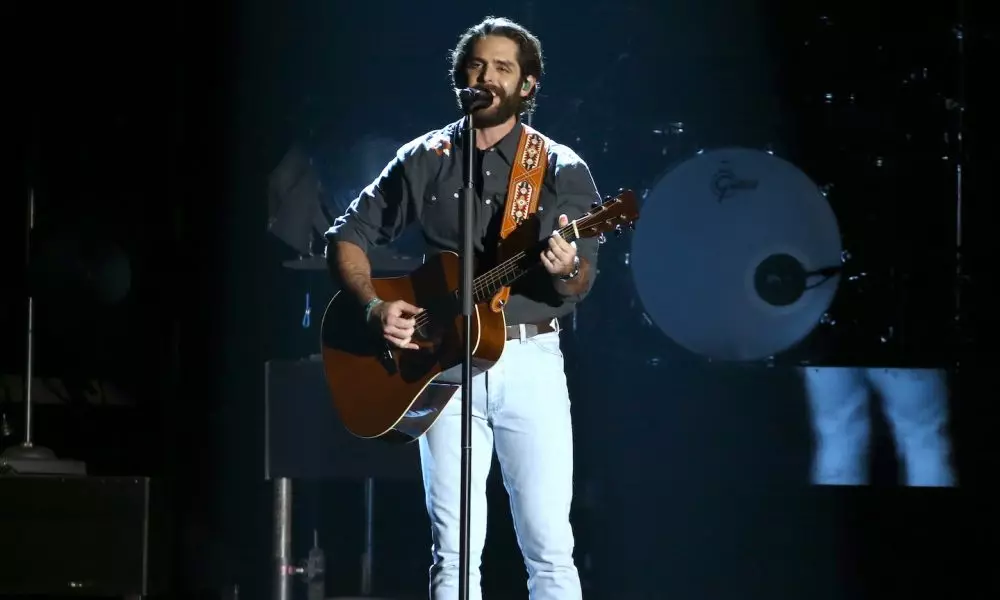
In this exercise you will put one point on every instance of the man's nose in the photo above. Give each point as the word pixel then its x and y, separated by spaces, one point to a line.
pixel 487 75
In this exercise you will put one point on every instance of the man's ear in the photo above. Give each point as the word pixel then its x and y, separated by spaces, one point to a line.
pixel 528 86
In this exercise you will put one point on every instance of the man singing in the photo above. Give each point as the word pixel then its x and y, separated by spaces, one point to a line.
pixel 521 407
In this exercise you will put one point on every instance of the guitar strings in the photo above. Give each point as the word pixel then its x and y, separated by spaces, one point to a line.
pixel 495 275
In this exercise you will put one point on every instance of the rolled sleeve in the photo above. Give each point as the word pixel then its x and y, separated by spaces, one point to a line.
pixel 577 194
pixel 381 212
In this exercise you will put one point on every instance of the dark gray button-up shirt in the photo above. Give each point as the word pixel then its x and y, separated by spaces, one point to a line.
pixel 422 185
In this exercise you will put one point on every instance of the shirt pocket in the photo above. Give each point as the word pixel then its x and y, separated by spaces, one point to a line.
pixel 441 212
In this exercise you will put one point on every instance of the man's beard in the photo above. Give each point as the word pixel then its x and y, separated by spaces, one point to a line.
pixel 507 107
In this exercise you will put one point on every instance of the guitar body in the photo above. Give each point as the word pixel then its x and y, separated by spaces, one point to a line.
pixel 385 392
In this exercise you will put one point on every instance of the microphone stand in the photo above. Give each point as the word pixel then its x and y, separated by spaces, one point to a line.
pixel 465 285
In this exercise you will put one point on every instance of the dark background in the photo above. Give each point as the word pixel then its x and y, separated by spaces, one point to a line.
pixel 149 131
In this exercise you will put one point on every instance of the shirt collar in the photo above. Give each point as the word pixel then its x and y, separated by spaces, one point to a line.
pixel 506 147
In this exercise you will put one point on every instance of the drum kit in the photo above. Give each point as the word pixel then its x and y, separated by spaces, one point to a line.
pixel 740 257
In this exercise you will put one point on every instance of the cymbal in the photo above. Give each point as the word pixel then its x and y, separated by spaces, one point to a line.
pixel 386 261
pixel 737 256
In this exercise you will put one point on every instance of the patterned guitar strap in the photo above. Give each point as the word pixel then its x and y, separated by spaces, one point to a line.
pixel 526 177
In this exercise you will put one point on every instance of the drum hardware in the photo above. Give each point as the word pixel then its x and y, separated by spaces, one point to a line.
pixel 739 257
pixel 28 457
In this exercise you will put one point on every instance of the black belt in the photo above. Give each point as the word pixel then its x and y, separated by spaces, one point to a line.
pixel 530 330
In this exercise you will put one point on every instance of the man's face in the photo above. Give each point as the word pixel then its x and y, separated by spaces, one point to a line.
pixel 492 65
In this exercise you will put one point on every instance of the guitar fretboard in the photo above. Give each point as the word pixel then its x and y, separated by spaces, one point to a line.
pixel 506 273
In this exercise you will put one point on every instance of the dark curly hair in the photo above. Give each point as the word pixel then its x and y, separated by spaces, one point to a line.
pixel 529 55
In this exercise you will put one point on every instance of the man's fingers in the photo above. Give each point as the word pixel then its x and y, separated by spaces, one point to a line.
pixel 401 322
pixel 397 342
pixel 409 308
pixel 397 338
pixel 558 242
pixel 562 253
pixel 400 332
pixel 401 342
pixel 549 262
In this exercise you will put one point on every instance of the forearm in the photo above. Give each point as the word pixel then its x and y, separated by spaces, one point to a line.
pixel 355 271
pixel 576 285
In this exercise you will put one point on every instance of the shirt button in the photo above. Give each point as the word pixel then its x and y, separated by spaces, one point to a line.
pixel 456 194
pixel 488 173
pixel 487 201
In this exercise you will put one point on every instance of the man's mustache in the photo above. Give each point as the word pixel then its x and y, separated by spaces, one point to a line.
pixel 498 92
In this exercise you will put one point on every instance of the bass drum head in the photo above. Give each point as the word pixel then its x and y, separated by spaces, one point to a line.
pixel 736 255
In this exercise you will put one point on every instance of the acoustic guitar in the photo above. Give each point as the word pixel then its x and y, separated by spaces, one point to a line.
pixel 380 391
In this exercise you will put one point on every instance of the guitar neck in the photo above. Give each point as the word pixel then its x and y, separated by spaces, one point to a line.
pixel 506 273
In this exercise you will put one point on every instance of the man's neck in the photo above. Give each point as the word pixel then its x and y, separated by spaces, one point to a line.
pixel 487 137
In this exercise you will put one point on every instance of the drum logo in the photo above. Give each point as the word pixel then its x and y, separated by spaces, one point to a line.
pixel 725 184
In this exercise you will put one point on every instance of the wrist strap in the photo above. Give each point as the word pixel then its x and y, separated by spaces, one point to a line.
pixel 371 306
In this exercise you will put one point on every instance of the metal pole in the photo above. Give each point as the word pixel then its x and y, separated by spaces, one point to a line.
pixel 465 282
pixel 282 538
pixel 366 560
pixel 30 371
pixel 529 14
pixel 959 153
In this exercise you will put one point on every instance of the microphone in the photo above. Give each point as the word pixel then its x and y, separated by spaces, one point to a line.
pixel 474 98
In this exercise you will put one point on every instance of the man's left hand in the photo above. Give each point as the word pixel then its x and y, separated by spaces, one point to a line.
pixel 558 258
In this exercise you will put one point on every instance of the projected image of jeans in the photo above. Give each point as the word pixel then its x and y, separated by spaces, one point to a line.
pixel 914 403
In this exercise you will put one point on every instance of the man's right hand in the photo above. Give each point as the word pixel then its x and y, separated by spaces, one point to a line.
pixel 398 323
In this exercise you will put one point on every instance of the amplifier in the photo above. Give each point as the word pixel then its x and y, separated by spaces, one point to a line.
pixel 86 536
pixel 305 439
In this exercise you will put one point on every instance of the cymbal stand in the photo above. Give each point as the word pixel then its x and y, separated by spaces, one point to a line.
pixel 27 457
pixel 957 107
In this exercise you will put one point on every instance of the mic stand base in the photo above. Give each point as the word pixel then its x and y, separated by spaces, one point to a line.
pixel 36 460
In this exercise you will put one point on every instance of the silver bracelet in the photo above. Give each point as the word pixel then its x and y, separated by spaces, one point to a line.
pixel 574 272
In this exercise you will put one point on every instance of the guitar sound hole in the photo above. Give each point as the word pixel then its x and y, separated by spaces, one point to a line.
pixel 436 320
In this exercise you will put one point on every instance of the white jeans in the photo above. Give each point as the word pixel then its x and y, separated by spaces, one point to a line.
pixel 521 408
pixel 915 404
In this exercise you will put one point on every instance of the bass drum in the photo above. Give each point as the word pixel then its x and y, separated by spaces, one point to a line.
pixel 736 255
